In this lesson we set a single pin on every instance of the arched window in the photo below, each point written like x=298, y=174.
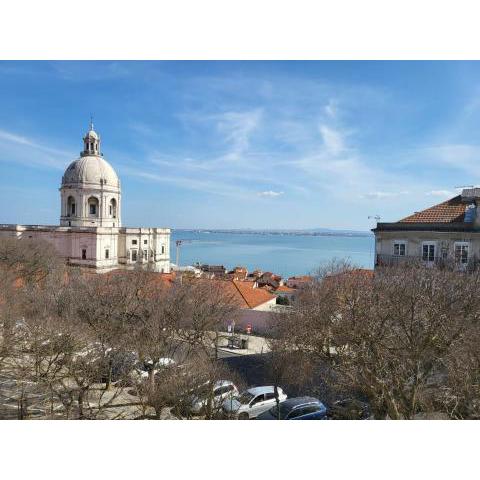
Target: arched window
x=93, y=207
x=71, y=207
x=113, y=208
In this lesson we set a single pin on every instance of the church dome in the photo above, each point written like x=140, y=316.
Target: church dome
x=91, y=169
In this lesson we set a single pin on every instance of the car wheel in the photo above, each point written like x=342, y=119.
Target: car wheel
x=243, y=416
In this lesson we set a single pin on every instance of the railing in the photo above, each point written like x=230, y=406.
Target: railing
x=448, y=262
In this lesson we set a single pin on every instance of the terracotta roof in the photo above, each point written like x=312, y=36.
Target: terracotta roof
x=249, y=296
x=284, y=288
x=451, y=211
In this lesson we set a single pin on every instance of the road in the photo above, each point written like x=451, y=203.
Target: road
x=254, y=370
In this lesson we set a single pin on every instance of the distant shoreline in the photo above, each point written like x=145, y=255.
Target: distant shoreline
x=305, y=233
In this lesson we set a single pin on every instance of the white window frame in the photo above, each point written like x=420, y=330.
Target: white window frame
x=435, y=251
x=399, y=242
x=461, y=244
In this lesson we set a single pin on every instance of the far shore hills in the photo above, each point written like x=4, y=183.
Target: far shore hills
x=315, y=232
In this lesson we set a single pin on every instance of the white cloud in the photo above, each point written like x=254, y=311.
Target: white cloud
x=237, y=128
x=440, y=193
x=18, y=148
x=379, y=194
x=269, y=193
x=331, y=109
x=332, y=139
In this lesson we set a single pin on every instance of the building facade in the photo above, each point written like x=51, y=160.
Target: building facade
x=90, y=233
x=445, y=234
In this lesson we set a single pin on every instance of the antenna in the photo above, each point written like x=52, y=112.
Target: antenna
x=465, y=186
x=91, y=122
x=375, y=217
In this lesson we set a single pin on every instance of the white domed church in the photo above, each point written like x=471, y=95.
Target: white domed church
x=90, y=232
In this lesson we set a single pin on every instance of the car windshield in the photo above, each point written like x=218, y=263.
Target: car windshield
x=284, y=411
x=245, y=398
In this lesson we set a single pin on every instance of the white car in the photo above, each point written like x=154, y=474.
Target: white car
x=143, y=368
x=223, y=390
x=253, y=402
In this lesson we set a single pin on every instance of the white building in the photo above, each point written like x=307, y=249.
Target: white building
x=90, y=232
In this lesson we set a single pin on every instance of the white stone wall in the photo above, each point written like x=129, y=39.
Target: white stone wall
x=145, y=246
x=71, y=241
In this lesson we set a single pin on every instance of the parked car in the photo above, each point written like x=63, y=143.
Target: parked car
x=142, y=369
x=253, y=402
x=223, y=390
x=299, y=408
x=349, y=409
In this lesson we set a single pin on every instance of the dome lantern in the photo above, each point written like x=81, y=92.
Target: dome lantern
x=91, y=142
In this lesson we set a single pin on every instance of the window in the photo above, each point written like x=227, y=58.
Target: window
x=134, y=242
x=145, y=242
x=73, y=209
x=300, y=412
x=269, y=396
x=163, y=249
x=145, y=254
x=107, y=253
x=84, y=253
x=461, y=252
x=93, y=209
x=399, y=248
x=222, y=390
x=258, y=399
x=134, y=255
x=110, y=209
x=428, y=251
x=295, y=413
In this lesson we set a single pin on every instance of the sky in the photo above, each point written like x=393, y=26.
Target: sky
x=263, y=145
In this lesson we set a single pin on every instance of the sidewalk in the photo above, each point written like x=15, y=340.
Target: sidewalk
x=256, y=345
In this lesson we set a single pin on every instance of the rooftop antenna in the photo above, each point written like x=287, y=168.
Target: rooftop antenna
x=465, y=186
x=375, y=217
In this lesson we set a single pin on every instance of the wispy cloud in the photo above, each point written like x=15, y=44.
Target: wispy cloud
x=441, y=193
x=269, y=194
x=377, y=195
x=332, y=139
x=21, y=149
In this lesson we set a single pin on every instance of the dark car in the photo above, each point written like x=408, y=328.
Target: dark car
x=299, y=408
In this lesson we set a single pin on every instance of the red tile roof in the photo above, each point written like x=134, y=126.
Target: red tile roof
x=452, y=210
x=284, y=288
x=252, y=297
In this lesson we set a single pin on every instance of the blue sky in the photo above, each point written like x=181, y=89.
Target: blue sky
x=243, y=144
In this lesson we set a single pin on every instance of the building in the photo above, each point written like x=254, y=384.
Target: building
x=445, y=234
x=90, y=233
x=298, y=281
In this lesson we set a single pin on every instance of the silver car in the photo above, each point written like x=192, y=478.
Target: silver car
x=253, y=402
x=223, y=390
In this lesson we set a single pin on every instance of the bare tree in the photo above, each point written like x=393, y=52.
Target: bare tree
x=386, y=336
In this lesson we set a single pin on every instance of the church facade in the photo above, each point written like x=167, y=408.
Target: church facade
x=90, y=233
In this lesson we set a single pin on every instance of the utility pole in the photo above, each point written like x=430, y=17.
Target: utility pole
x=376, y=218
x=178, y=243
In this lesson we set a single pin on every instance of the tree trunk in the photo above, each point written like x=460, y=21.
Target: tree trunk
x=81, y=396
x=109, y=375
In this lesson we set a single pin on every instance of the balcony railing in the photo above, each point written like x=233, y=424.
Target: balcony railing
x=448, y=262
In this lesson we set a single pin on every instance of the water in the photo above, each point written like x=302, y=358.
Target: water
x=286, y=255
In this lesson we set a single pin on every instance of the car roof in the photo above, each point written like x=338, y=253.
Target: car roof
x=266, y=389
x=297, y=401
x=222, y=383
